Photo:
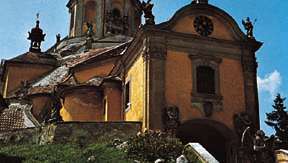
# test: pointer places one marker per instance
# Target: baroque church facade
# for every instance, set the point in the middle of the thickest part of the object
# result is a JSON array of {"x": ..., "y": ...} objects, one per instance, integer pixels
[{"x": 193, "y": 75}]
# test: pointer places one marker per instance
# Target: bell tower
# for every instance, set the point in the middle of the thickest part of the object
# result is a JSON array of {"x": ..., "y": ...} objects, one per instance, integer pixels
[{"x": 108, "y": 17}]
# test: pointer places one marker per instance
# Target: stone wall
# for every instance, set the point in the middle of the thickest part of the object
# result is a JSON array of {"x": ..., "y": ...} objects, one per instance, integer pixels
[{"x": 72, "y": 132}]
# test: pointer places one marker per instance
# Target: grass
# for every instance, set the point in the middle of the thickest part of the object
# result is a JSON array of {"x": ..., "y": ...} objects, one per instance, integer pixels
[{"x": 65, "y": 153}]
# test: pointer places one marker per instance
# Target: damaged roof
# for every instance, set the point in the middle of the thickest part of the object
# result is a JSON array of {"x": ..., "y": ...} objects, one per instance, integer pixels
[{"x": 17, "y": 116}]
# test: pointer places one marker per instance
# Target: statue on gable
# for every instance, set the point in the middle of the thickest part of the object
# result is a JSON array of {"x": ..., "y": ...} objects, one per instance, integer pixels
[
  {"x": 171, "y": 119},
  {"x": 148, "y": 14},
  {"x": 36, "y": 36},
  {"x": 248, "y": 25}
]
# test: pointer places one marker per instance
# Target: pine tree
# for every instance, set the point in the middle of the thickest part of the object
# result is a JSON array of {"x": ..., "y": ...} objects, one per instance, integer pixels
[{"x": 278, "y": 119}]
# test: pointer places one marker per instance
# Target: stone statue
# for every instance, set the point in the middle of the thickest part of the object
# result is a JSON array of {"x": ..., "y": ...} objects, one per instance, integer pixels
[
  {"x": 171, "y": 119},
  {"x": 241, "y": 122},
  {"x": 248, "y": 25},
  {"x": 147, "y": 9},
  {"x": 263, "y": 148},
  {"x": 36, "y": 36},
  {"x": 90, "y": 30},
  {"x": 58, "y": 38},
  {"x": 89, "y": 38}
]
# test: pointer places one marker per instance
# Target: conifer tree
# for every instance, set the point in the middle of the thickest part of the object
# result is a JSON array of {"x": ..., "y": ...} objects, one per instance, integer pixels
[{"x": 278, "y": 119}]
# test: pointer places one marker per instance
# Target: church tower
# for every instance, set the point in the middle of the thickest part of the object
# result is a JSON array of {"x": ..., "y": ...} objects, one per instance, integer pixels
[{"x": 121, "y": 17}]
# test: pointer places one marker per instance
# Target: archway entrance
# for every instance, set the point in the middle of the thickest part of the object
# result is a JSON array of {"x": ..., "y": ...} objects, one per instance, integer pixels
[{"x": 213, "y": 136}]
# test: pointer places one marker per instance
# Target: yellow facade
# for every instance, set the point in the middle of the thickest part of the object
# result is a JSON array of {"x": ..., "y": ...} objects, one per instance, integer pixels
[
  {"x": 179, "y": 83},
  {"x": 83, "y": 104},
  {"x": 85, "y": 74},
  {"x": 136, "y": 77},
  {"x": 17, "y": 73}
]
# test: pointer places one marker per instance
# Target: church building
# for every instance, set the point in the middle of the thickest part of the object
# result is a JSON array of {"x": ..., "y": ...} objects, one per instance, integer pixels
[{"x": 193, "y": 75}]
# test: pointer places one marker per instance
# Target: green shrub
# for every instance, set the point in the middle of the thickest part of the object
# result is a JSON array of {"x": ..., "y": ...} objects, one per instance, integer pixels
[
  {"x": 65, "y": 153},
  {"x": 152, "y": 145}
]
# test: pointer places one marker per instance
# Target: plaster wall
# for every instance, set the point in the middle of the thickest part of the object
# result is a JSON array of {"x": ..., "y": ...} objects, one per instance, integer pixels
[
  {"x": 113, "y": 103},
  {"x": 179, "y": 82},
  {"x": 21, "y": 72},
  {"x": 94, "y": 70},
  {"x": 136, "y": 77},
  {"x": 82, "y": 105},
  {"x": 40, "y": 103},
  {"x": 186, "y": 25}
]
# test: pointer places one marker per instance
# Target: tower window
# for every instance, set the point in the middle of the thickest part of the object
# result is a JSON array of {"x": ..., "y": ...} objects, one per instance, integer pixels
[
  {"x": 90, "y": 11},
  {"x": 205, "y": 80}
]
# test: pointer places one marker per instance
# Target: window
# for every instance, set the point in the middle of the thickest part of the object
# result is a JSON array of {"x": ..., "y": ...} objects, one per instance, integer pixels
[
  {"x": 90, "y": 11},
  {"x": 127, "y": 95},
  {"x": 205, "y": 78}
]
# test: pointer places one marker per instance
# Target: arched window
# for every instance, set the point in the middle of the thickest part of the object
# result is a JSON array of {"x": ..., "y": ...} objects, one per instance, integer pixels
[
  {"x": 90, "y": 11},
  {"x": 205, "y": 80}
]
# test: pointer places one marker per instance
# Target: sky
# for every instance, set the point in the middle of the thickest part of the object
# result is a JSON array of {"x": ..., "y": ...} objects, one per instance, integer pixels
[{"x": 17, "y": 17}]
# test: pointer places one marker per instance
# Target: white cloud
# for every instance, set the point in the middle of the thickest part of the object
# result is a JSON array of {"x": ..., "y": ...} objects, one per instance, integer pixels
[{"x": 270, "y": 83}]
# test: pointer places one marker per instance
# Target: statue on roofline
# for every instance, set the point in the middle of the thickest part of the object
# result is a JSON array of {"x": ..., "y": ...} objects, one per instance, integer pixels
[
  {"x": 248, "y": 25},
  {"x": 148, "y": 14}
]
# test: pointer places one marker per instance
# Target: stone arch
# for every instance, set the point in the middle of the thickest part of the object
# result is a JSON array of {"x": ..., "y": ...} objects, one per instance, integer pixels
[{"x": 216, "y": 137}]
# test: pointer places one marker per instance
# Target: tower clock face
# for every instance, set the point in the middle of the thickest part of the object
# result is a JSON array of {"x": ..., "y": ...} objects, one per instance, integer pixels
[{"x": 203, "y": 25}]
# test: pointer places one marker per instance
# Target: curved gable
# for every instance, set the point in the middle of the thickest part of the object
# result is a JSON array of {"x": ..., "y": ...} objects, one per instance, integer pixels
[{"x": 225, "y": 27}]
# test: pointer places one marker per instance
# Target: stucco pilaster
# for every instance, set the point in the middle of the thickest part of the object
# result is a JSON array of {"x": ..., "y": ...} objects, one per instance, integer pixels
[
  {"x": 249, "y": 65},
  {"x": 154, "y": 58},
  {"x": 79, "y": 18}
]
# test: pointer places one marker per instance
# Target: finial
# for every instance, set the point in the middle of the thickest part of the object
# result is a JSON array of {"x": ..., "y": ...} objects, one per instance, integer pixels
[
  {"x": 36, "y": 36},
  {"x": 37, "y": 16}
]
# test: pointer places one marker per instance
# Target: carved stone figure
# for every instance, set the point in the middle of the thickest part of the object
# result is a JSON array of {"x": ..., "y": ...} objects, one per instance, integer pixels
[
  {"x": 36, "y": 36},
  {"x": 241, "y": 122},
  {"x": 171, "y": 119},
  {"x": 90, "y": 31},
  {"x": 248, "y": 25},
  {"x": 89, "y": 38},
  {"x": 148, "y": 14},
  {"x": 263, "y": 148},
  {"x": 58, "y": 38}
]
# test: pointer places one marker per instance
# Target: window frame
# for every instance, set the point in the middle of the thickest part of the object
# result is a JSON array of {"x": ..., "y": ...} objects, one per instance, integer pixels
[
  {"x": 213, "y": 62},
  {"x": 127, "y": 103}
]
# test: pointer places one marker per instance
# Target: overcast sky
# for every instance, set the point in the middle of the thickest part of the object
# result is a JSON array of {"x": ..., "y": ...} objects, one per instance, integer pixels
[{"x": 17, "y": 17}]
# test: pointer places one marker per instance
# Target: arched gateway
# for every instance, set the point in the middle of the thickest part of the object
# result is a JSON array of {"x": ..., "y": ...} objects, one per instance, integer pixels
[{"x": 214, "y": 136}]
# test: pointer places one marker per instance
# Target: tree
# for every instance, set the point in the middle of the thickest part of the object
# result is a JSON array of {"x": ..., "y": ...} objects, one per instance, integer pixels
[{"x": 278, "y": 119}]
